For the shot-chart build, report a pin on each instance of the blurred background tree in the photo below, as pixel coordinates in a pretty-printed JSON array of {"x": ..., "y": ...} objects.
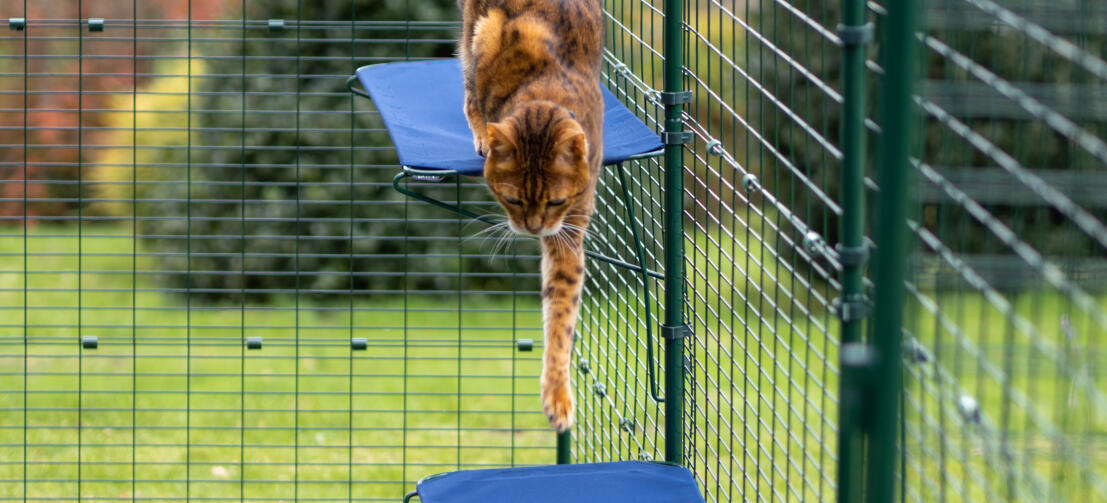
[{"x": 289, "y": 167}]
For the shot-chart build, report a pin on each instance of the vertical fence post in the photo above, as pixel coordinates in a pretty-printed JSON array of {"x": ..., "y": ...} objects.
[
  {"x": 897, "y": 56},
  {"x": 853, "y": 306},
  {"x": 674, "y": 137}
]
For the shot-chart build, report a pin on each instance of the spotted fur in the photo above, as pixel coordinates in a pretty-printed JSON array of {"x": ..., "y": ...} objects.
[{"x": 533, "y": 101}]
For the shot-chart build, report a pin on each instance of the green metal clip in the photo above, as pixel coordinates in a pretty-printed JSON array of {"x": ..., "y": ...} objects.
[
  {"x": 856, "y": 306},
  {"x": 677, "y": 332},
  {"x": 90, "y": 342},
  {"x": 95, "y": 24},
  {"x": 852, "y": 256},
  {"x": 525, "y": 344},
  {"x": 359, "y": 343},
  {"x": 676, "y": 138},
  {"x": 253, "y": 342},
  {"x": 276, "y": 25},
  {"x": 855, "y": 35},
  {"x": 585, "y": 366},
  {"x": 17, "y": 23},
  {"x": 675, "y": 98}
]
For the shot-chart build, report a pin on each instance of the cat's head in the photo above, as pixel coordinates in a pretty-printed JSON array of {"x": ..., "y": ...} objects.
[{"x": 537, "y": 167}]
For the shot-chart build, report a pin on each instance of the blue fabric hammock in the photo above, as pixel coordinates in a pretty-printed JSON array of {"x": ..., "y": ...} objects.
[
  {"x": 421, "y": 104},
  {"x": 617, "y": 482}
]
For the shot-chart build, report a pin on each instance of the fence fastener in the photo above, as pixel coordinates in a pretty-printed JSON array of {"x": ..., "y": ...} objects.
[
  {"x": 856, "y": 306},
  {"x": 95, "y": 24},
  {"x": 90, "y": 342},
  {"x": 813, "y": 243},
  {"x": 359, "y": 343},
  {"x": 525, "y": 344},
  {"x": 627, "y": 424},
  {"x": 17, "y": 23},
  {"x": 715, "y": 147},
  {"x": 675, "y": 98},
  {"x": 600, "y": 389},
  {"x": 584, "y": 366},
  {"x": 253, "y": 342},
  {"x": 852, "y": 36},
  {"x": 276, "y": 25},
  {"x": 969, "y": 408},
  {"x": 678, "y": 138},
  {"x": 917, "y": 352},
  {"x": 750, "y": 183}
]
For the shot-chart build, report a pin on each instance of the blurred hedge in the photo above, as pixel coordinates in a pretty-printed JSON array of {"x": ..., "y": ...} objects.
[{"x": 277, "y": 186}]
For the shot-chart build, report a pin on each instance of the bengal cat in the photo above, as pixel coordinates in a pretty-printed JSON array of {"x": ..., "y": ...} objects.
[{"x": 533, "y": 101}]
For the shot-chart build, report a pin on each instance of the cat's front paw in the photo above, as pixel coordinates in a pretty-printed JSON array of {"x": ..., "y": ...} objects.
[{"x": 557, "y": 404}]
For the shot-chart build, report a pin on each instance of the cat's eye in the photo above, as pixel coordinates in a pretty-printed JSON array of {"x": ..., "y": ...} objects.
[
  {"x": 555, "y": 202},
  {"x": 516, "y": 202}
]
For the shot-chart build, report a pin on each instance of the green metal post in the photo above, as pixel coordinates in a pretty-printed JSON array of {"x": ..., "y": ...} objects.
[
  {"x": 673, "y": 52},
  {"x": 855, "y": 34},
  {"x": 564, "y": 442},
  {"x": 897, "y": 50}
]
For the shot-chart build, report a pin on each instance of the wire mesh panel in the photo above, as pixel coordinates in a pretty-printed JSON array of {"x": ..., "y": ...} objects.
[
  {"x": 210, "y": 290},
  {"x": 1006, "y": 303}
]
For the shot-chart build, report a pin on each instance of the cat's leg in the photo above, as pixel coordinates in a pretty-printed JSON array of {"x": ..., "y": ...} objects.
[
  {"x": 562, "y": 282},
  {"x": 477, "y": 123},
  {"x": 476, "y": 58}
]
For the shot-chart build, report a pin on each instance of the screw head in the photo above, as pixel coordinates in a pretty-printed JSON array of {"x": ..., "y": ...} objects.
[
  {"x": 812, "y": 242},
  {"x": 750, "y": 183},
  {"x": 969, "y": 408}
]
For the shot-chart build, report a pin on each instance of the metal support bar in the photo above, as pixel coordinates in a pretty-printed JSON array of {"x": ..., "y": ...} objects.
[
  {"x": 673, "y": 53},
  {"x": 442, "y": 174},
  {"x": 651, "y": 378},
  {"x": 849, "y": 311},
  {"x": 899, "y": 59}
]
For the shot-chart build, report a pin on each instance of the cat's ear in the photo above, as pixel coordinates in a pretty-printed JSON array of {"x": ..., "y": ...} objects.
[
  {"x": 502, "y": 138},
  {"x": 571, "y": 144}
]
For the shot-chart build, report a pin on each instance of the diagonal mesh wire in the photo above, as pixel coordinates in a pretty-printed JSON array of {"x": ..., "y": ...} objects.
[{"x": 1006, "y": 300}]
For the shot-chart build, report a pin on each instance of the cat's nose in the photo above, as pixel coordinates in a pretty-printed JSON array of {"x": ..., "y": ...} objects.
[{"x": 534, "y": 229}]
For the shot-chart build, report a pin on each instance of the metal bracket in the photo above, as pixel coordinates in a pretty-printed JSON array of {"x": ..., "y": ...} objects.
[
  {"x": 95, "y": 24},
  {"x": 852, "y": 36},
  {"x": 855, "y": 307},
  {"x": 17, "y": 23},
  {"x": 675, "y": 98},
  {"x": 679, "y": 138},
  {"x": 852, "y": 256},
  {"x": 253, "y": 342},
  {"x": 677, "y": 332},
  {"x": 276, "y": 25}
]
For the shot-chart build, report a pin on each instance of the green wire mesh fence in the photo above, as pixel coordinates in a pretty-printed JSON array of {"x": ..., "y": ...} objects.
[
  {"x": 1006, "y": 302},
  {"x": 210, "y": 290}
]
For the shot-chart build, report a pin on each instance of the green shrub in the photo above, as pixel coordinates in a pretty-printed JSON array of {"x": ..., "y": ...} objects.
[{"x": 284, "y": 168}]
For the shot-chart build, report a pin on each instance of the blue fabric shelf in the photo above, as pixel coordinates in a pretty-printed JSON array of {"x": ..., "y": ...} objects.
[
  {"x": 421, "y": 104},
  {"x": 615, "y": 482}
]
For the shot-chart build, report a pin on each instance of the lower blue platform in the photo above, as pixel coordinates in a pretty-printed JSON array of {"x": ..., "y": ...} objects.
[
  {"x": 421, "y": 104},
  {"x": 615, "y": 482}
]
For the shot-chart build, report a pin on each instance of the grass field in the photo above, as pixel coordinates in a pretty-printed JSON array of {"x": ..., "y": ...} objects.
[
  {"x": 441, "y": 385},
  {"x": 304, "y": 416}
]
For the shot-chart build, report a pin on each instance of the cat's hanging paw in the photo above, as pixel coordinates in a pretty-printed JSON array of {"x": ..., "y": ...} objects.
[{"x": 557, "y": 404}]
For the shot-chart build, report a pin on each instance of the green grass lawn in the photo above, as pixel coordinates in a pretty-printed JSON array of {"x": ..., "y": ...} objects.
[
  {"x": 183, "y": 410},
  {"x": 305, "y": 416}
]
